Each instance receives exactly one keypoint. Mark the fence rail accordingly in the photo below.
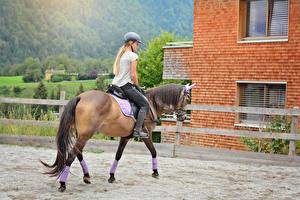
(249, 110)
(49, 102)
(292, 136)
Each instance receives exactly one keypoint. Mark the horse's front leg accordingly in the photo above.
(122, 144)
(151, 148)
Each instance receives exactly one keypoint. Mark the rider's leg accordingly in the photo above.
(142, 103)
(137, 131)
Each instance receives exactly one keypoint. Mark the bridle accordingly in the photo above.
(181, 112)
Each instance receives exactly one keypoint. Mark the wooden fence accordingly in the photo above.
(292, 136)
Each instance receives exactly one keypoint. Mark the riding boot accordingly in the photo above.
(137, 131)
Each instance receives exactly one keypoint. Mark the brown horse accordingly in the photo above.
(94, 111)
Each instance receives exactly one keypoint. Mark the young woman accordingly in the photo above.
(126, 78)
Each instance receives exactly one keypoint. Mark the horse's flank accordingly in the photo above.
(98, 111)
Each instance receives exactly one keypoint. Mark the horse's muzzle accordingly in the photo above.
(180, 115)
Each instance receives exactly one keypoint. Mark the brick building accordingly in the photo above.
(244, 53)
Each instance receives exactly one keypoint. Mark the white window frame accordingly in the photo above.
(242, 24)
(257, 124)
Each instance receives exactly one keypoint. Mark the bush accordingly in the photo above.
(17, 90)
(279, 124)
(4, 90)
(82, 76)
(92, 75)
(40, 93)
(56, 78)
(60, 77)
(100, 83)
(80, 90)
(34, 76)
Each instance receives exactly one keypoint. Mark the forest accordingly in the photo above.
(83, 33)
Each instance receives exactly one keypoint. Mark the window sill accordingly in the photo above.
(263, 39)
(248, 125)
(173, 120)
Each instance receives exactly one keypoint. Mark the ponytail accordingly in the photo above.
(116, 67)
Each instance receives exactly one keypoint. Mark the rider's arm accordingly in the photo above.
(133, 72)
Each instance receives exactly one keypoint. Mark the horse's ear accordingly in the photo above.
(188, 87)
(193, 85)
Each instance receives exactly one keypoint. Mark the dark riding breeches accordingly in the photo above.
(134, 95)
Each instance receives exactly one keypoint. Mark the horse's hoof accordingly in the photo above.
(62, 187)
(111, 178)
(86, 180)
(155, 174)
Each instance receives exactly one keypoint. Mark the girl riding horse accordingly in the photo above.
(97, 111)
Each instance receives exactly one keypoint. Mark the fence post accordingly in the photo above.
(61, 97)
(294, 127)
(177, 137)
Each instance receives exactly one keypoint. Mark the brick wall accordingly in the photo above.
(219, 61)
(177, 62)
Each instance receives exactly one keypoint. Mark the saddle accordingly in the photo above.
(128, 108)
(117, 91)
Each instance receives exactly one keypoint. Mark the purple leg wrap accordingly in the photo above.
(154, 163)
(64, 175)
(113, 167)
(84, 167)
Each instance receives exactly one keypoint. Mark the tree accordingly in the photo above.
(92, 74)
(17, 90)
(150, 65)
(81, 90)
(32, 69)
(58, 91)
(39, 93)
(42, 28)
(100, 83)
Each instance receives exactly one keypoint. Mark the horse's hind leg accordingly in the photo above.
(78, 147)
(121, 147)
(85, 169)
(151, 148)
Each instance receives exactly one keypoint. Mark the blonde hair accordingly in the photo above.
(116, 67)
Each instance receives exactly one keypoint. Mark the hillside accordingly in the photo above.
(84, 28)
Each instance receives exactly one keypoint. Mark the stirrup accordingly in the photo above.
(140, 134)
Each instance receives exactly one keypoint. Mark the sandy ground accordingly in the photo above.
(21, 178)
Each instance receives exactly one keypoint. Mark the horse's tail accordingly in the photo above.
(63, 138)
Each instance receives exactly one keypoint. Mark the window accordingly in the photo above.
(264, 95)
(263, 19)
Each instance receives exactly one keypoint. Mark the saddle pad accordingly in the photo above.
(125, 106)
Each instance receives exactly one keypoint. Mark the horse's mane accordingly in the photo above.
(166, 94)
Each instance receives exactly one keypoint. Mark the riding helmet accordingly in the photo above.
(132, 36)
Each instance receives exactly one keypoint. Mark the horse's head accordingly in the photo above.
(171, 98)
(185, 98)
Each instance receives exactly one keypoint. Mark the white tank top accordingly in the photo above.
(124, 75)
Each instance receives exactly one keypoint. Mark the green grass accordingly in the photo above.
(27, 130)
(70, 87)
(11, 80)
(37, 131)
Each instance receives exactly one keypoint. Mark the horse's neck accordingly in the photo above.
(161, 110)
(159, 107)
